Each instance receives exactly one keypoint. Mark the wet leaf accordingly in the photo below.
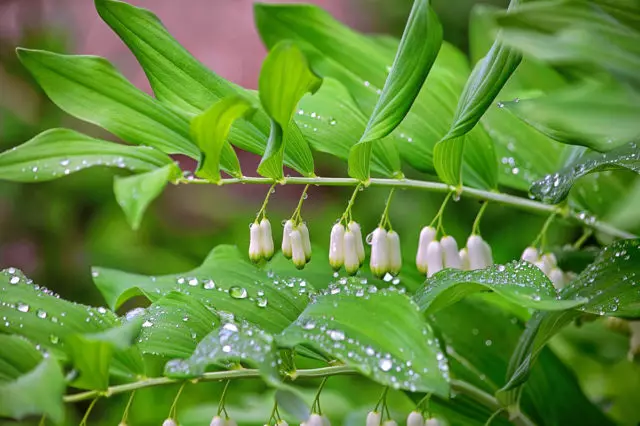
(91, 89)
(59, 152)
(555, 187)
(519, 282)
(30, 383)
(174, 324)
(230, 344)
(225, 281)
(358, 324)
(414, 58)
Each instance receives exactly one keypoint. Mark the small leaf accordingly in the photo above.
(284, 78)
(519, 282)
(416, 54)
(230, 344)
(135, 193)
(59, 152)
(359, 325)
(210, 130)
(30, 383)
(555, 187)
(91, 89)
(174, 324)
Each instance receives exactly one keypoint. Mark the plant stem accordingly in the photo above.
(480, 194)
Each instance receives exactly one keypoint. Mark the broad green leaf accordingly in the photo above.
(601, 117)
(291, 402)
(39, 315)
(519, 282)
(284, 78)
(555, 187)
(60, 152)
(332, 123)
(188, 87)
(358, 325)
(174, 325)
(30, 383)
(92, 354)
(230, 344)
(135, 193)
(210, 130)
(225, 281)
(416, 54)
(90, 88)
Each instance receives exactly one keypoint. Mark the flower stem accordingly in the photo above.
(384, 220)
(475, 230)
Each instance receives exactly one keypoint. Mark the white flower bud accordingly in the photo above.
(379, 261)
(450, 253)
(336, 246)
(464, 259)
(351, 261)
(415, 418)
(357, 233)
(314, 420)
(427, 235)
(395, 252)
(217, 421)
(255, 243)
(230, 422)
(434, 258)
(169, 422)
(551, 260)
(487, 254)
(286, 239)
(530, 254)
(476, 250)
(557, 278)
(306, 242)
(390, 423)
(433, 422)
(545, 263)
(374, 419)
(297, 249)
(267, 239)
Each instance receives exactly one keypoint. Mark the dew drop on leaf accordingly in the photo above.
(238, 292)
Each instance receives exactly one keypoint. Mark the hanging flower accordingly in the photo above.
(266, 239)
(357, 233)
(351, 261)
(379, 261)
(255, 243)
(479, 253)
(464, 259)
(434, 258)
(336, 246)
(557, 278)
(395, 253)
(169, 422)
(427, 235)
(530, 254)
(415, 418)
(230, 422)
(306, 242)
(451, 256)
(217, 421)
(433, 422)
(315, 420)
(373, 419)
(286, 239)
(297, 249)
(282, 423)
(390, 423)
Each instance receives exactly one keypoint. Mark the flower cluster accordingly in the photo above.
(260, 241)
(386, 256)
(316, 420)
(415, 418)
(219, 421)
(346, 247)
(548, 264)
(296, 244)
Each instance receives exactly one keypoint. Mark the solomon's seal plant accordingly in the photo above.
(460, 337)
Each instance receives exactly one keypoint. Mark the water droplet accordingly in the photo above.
(238, 292)
(261, 302)
(41, 314)
(14, 280)
(385, 364)
(54, 339)
(488, 342)
(193, 282)
(22, 307)
(209, 285)
(336, 335)
(64, 163)
(147, 324)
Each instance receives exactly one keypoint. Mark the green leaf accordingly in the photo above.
(555, 187)
(210, 130)
(60, 152)
(519, 282)
(92, 354)
(174, 324)
(291, 402)
(358, 325)
(91, 89)
(135, 193)
(601, 117)
(232, 343)
(284, 78)
(30, 383)
(416, 54)
(225, 281)
(188, 87)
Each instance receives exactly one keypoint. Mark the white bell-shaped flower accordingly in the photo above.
(336, 246)
(464, 259)
(169, 422)
(325, 421)
(530, 254)
(557, 278)
(286, 239)
(487, 253)
(379, 261)
(230, 422)
(255, 242)
(297, 249)
(433, 422)
(427, 234)
(451, 256)
(374, 419)
(434, 258)
(314, 420)
(544, 266)
(217, 421)
(390, 423)
(122, 424)
(267, 239)
(477, 253)
(550, 258)
(395, 253)
(415, 418)
(357, 233)
(306, 241)
(351, 261)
